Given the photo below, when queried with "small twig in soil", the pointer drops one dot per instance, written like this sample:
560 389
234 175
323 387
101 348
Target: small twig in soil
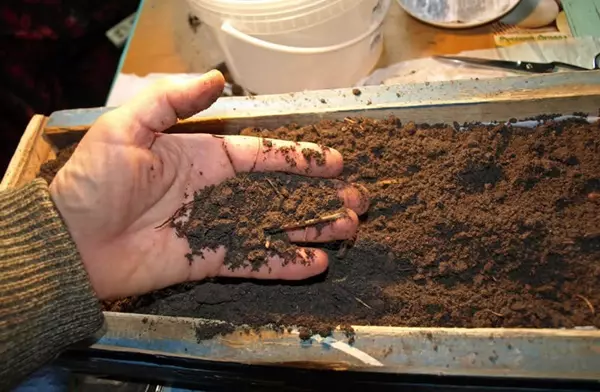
343 251
349 120
175 215
594 196
593 234
400 181
588 303
492 312
274 187
350 294
317 130
346 245
360 301
307 223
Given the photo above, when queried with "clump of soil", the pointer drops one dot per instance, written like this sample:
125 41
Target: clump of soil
248 214
208 329
323 329
496 226
304 333
49 169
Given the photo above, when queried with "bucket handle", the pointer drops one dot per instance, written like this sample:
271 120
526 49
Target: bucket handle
228 29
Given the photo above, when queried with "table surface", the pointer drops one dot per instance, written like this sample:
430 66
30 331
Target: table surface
152 47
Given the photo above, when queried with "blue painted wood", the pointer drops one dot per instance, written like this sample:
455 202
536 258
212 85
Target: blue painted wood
423 96
509 352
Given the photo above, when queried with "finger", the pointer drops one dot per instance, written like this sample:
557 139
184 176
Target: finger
161 105
356 199
249 154
354 196
309 262
341 229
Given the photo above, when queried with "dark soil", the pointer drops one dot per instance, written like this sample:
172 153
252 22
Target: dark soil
492 227
49 169
248 214
208 330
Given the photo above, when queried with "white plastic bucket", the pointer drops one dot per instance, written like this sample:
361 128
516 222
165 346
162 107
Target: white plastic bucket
311 44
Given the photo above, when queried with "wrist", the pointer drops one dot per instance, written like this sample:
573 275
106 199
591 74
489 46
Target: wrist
47 298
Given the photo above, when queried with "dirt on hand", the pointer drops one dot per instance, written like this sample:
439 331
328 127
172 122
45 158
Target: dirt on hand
248 215
494 226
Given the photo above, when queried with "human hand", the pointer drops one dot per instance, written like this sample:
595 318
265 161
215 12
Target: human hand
126 178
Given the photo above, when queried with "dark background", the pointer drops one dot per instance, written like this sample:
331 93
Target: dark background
54 55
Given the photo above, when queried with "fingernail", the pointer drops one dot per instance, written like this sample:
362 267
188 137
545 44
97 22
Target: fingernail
213 73
365 197
354 195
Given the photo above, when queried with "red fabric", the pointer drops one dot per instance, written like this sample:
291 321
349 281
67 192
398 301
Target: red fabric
54 55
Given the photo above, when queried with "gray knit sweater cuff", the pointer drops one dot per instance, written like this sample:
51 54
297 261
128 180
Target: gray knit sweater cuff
46 300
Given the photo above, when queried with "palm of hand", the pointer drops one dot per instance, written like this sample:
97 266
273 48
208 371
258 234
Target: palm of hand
125 179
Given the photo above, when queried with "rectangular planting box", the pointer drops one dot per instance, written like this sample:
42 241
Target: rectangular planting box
455 304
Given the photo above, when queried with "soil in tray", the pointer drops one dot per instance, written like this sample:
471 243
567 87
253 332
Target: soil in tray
248 215
495 226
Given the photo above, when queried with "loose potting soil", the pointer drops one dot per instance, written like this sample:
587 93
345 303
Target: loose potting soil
248 214
495 226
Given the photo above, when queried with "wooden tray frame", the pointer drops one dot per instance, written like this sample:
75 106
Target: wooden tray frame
529 353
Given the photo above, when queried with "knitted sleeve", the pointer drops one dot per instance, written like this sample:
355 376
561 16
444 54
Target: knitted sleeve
46 300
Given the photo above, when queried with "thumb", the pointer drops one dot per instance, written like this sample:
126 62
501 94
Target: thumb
159 107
